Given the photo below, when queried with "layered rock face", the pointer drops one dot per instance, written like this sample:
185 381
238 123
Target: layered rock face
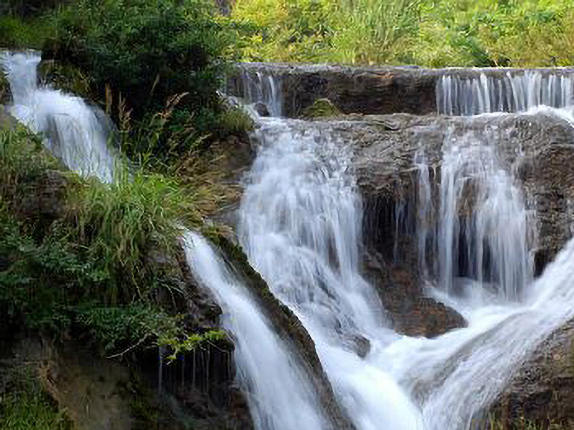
534 147
389 90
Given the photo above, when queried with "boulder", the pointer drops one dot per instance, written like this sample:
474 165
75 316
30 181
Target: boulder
543 390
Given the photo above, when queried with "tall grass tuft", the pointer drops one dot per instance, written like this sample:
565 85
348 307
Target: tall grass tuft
26 407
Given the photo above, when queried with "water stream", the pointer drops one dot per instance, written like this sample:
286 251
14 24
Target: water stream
268 372
506 92
74 131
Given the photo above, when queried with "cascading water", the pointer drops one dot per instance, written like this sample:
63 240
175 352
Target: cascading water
73 131
277 390
300 223
263 88
482 220
508 92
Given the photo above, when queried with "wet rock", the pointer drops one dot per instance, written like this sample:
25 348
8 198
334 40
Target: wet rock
44 199
543 389
7 121
261 109
362 345
408 310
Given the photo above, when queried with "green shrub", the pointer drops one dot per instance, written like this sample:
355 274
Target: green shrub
23 33
146 52
98 269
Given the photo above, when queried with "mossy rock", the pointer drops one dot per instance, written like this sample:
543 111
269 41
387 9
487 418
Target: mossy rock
321 108
66 77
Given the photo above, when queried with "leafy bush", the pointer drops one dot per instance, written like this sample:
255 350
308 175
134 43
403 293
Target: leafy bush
20 33
146 52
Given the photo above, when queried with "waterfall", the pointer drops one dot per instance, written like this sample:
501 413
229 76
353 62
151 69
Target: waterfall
278 391
73 131
300 224
483 219
264 89
502 92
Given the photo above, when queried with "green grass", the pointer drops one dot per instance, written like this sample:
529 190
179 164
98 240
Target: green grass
99 267
423 32
25 406
121 224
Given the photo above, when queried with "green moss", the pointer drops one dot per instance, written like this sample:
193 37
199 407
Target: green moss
321 108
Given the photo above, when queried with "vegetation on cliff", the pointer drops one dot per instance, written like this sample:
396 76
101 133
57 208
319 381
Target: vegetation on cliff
89 260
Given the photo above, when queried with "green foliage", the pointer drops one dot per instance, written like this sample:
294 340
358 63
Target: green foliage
22 160
25 406
98 269
148 53
120 225
423 32
20 33
130 326
351 31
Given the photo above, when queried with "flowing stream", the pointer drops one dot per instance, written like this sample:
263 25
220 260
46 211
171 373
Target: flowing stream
75 132
300 225
507 92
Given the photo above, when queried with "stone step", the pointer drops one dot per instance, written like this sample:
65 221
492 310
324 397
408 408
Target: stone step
387 90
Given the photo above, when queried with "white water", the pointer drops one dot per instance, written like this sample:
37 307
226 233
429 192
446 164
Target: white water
279 394
260 87
300 225
74 132
509 92
482 209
